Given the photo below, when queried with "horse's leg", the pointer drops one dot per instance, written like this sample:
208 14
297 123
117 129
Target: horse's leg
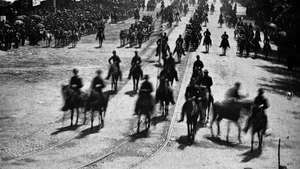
228 130
167 109
218 126
77 117
139 122
260 139
239 132
148 121
72 113
252 140
92 118
188 129
100 117
84 119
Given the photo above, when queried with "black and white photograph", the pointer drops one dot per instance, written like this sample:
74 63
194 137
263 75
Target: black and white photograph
149 84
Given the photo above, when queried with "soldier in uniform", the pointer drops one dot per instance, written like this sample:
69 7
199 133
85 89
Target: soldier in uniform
98 83
198 64
76 82
233 93
207 81
258 111
136 61
116 60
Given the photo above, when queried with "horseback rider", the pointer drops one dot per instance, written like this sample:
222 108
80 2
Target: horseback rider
146 87
233 93
170 64
207 81
224 42
114 59
191 92
258 111
135 62
179 46
98 84
76 82
198 64
221 21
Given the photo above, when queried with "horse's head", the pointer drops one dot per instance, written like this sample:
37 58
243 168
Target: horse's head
65 90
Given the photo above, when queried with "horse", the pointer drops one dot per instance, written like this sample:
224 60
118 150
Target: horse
75 37
180 51
116 74
230 110
47 38
137 74
191 110
258 122
224 45
169 74
73 101
123 37
144 106
164 95
207 42
100 37
97 102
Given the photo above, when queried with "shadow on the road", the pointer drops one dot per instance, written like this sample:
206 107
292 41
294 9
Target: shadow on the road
158 119
287 82
158 65
67 128
109 92
88 131
249 155
150 61
97 47
183 142
131 93
141 134
221 142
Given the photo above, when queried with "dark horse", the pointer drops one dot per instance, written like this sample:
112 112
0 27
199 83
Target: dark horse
97 102
100 36
144 106
74 101
164 95
137 74
191 110
116 74
170 74
230 110
258 122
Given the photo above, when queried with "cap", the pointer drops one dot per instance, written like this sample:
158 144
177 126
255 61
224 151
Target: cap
99 71
75 71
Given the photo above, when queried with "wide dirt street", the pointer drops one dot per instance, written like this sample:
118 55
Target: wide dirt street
34 133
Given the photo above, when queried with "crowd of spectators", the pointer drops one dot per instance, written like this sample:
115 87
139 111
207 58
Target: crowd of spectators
82 17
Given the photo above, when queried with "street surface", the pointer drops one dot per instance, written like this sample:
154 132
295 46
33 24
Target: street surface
34 133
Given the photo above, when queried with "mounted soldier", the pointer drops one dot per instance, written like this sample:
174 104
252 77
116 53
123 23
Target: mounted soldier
233 94
258 111
135 63
114 59
224 43
179 48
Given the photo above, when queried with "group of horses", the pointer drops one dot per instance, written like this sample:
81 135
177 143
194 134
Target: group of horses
138 32
193 30
61 38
